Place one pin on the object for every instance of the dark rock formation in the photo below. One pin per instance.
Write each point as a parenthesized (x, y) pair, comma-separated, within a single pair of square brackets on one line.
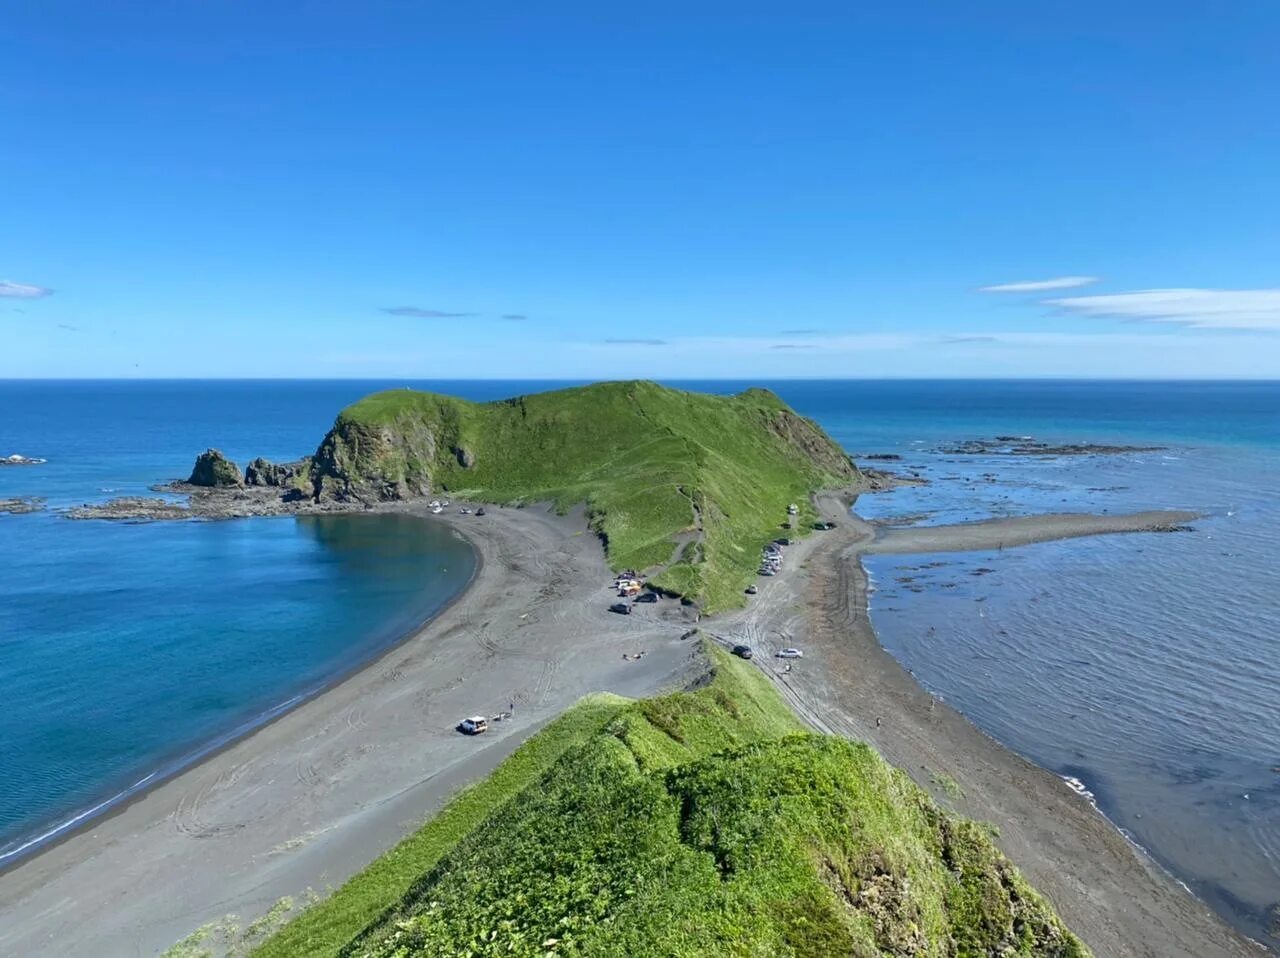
[(264, 472), (1025, 446), (214, 469), (21, 505), (466, 458), (136, 508)]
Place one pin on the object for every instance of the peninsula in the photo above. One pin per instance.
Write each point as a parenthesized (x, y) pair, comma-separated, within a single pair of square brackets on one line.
[(647, 793)]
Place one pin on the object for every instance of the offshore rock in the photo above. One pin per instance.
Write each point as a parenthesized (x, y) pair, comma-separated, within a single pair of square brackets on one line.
[(21, 505), (213, 469), (264, 472)]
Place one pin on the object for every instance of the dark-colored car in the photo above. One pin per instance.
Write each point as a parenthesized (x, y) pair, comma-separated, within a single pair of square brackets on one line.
[(824, 526), (480, 511), (742, 651), (752, 590), (622, 608), (647, 597)]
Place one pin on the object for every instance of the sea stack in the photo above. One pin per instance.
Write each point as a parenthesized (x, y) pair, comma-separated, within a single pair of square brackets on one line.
[(213, 469)]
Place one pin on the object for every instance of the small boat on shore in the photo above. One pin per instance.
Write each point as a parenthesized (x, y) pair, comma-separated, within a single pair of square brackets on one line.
[(17, 460)]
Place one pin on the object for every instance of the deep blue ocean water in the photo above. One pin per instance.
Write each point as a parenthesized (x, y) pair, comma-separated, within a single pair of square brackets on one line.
[(1145, 667)]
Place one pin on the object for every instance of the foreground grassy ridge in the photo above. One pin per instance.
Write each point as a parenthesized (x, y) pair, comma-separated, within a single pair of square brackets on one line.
[(692, 482), (705, 823), (324, 928)]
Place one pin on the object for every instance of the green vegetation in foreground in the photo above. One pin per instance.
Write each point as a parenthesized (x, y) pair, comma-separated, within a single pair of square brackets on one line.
[(699, 823), (692, 483)]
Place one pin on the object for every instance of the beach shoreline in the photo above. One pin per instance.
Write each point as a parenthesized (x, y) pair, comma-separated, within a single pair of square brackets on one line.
[(315, 794), (171, 768), (1107, 889)]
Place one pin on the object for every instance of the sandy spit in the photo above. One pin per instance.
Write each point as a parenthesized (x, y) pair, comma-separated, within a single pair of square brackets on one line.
[(1109, 892), (311, 798)]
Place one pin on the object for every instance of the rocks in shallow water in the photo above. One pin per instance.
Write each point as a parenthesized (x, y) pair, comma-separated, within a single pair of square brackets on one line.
[(21, 505), (131, 507), (1026, 446), (213, 469), (264, 472)]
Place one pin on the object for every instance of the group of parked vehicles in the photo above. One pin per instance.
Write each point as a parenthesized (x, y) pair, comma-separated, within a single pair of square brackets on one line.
[(771, 558)]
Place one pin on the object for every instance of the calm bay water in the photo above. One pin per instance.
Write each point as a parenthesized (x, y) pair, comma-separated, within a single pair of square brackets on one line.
[(1144, 666)]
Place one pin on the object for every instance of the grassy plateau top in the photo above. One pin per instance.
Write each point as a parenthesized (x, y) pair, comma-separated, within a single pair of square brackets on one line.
[(686, 485)]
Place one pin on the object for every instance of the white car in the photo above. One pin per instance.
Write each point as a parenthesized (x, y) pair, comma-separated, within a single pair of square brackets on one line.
[(790, 654), (473, 725)]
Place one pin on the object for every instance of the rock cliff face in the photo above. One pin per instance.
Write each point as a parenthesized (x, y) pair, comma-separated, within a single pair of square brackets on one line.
[(264, 472), (212, 468), (374, 463)]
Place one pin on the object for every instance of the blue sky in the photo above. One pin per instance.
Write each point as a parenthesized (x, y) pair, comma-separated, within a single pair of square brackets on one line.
[(803, 189)]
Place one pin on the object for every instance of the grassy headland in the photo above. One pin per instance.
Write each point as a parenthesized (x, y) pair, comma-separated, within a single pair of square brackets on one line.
[(688, 484), (703, 822)]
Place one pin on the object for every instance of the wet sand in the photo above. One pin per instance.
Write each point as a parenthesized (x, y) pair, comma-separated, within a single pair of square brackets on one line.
[(1108, 891), (313, 797), (310, 799)]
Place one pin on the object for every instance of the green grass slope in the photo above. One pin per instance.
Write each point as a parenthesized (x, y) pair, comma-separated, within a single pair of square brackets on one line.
[(692, 483), (699, 823)]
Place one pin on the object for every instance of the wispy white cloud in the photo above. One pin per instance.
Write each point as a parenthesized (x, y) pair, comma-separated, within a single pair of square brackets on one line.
[(514, 316), (1199, 308), (635, 342), (422, 313), (1039, 285), (22, 290)]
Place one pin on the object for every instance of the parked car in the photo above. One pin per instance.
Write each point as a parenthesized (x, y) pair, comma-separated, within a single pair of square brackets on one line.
[(622, 608), (647, 597), (752, 590), (474, 725), (824, 526), (480, 511), (790, 654), (743, 651), (465, 511), (782, 541)]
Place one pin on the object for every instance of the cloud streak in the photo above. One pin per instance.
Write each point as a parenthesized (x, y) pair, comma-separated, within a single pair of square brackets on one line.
[(423, 313), (1040, 285), (793, 346), (514, 316), (635, 342), (22, 290), (1251, 309)]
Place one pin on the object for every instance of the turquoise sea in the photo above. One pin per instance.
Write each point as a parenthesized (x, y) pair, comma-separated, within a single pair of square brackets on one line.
[(1145, 668)]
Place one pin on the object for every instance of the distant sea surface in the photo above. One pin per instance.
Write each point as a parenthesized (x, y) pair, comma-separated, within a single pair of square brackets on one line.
[(1145, 668)]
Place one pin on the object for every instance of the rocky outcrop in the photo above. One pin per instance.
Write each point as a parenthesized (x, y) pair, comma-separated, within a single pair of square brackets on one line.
[(213, 469), (264, 472), (21, 505), (134, 508), (369, 462)]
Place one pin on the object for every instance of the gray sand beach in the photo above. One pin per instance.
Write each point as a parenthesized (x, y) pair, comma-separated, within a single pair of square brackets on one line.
[(308, 800)]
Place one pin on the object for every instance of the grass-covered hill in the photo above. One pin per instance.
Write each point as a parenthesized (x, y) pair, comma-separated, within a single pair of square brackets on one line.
[(692, 483), (700, 823)]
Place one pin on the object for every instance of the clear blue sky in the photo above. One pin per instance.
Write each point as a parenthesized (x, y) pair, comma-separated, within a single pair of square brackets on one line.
[(225, 188)]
